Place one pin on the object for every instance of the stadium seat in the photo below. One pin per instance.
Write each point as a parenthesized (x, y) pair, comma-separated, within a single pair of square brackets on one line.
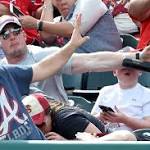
[(97, 80), (72, 81), (129, 40), (142, 134), (82, 102), (144, 79)]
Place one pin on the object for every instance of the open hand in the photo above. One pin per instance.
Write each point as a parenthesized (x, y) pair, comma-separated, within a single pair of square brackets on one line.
[(113, 117), (76, 38)]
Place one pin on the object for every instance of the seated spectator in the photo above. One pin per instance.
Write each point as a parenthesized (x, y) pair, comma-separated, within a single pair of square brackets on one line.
[(57, 120), (61, 122), (139, 10), (22, 54), (129, 100), (119, 10), (27, 7), (96, 23)]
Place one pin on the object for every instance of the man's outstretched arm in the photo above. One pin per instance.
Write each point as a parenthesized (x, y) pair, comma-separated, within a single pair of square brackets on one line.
[(104, 61), (51, 64)]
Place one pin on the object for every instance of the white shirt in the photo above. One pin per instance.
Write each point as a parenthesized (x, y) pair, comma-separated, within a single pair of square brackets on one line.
[(134, 102)]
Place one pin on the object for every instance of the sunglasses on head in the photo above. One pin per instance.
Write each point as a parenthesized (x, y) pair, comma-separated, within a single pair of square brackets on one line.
[(6, 34)]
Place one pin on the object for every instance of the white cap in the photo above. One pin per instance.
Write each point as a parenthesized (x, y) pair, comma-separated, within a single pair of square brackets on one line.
[(6, 19)]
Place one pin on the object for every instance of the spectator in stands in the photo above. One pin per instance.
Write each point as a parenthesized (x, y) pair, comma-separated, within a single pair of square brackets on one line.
[(58, 120), (96, 23), (119, 10), (129, 100), (36, 9), (15, 81), (61, 122), (140, 11), (23, 54)]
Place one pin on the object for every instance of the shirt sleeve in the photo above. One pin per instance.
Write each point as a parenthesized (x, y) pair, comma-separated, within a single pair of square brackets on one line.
[(95, 9), (22, 76), (71, 123), (98, 102)]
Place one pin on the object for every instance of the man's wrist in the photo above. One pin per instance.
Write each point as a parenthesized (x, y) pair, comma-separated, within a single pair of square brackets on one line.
[(137, 55), (39, 26)]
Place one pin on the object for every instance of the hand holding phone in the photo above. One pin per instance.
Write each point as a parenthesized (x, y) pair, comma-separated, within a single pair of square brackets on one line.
[(105, 108)]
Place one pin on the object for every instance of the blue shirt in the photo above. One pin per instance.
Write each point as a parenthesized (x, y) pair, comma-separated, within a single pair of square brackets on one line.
[(15, 123)]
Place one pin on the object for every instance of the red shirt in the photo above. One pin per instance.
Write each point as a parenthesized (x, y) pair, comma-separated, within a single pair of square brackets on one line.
[(144, 34), (28, 7)]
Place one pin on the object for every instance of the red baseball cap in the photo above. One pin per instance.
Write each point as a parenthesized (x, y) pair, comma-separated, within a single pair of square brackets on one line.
[(36, 104)]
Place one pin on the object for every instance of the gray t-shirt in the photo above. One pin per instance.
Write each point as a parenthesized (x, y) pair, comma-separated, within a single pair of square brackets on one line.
[(53, 86)]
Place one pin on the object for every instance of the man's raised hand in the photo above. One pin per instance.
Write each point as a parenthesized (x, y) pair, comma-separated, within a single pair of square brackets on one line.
[(76, 38)]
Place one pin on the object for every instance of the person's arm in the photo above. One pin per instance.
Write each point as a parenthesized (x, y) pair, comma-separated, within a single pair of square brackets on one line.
[(65, 28), (104, 61), (91, 128), (122, 135), (139, 9), (135, 123), (47, 15), (57, 28), (51, 64), (131, 122)]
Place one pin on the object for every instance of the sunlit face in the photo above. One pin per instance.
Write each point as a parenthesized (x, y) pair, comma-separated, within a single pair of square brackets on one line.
[(46, 126), (63, 6), (13, 41), (127, 76)]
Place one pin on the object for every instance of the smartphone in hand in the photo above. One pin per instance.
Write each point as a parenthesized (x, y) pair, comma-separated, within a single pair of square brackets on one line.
[(15, 11), (106, 108)]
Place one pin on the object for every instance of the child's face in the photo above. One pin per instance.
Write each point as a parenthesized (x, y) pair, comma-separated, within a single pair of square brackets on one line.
[(46, 126)]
